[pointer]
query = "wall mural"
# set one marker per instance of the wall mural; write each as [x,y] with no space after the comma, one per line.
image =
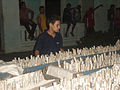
[34,5]
[74,3]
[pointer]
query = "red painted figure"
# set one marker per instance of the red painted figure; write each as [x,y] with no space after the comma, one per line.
[117,23]
[89,20]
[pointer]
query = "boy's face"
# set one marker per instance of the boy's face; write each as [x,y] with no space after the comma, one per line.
[56,26]
[42,10]
[23,6]
[68,6]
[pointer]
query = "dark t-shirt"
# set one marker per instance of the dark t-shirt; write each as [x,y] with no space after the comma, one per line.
[46,43]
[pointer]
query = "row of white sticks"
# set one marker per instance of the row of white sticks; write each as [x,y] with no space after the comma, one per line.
[22,81]
[109,77]
[104,79]
[90,63]
[43,59]
[97,61]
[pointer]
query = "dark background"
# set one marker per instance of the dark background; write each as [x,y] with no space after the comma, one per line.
[52,7]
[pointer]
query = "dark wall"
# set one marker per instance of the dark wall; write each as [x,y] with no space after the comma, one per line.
[1,27]
[52,7]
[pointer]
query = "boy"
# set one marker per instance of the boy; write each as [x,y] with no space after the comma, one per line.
[50,40]
[26,21]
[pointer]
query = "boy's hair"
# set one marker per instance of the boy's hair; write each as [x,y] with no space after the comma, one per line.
[52,19]
[68,4]
[112,5]
[21,4]
[41,7]
[78,6]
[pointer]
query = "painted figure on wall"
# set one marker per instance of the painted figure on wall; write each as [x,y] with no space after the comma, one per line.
[67,17]
[41,20]
[71,16]
[89,20]
[26,21]
[76,17]
[110,17]
[117,23]
[77,13]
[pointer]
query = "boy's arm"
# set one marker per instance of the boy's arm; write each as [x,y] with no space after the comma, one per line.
[39,23]
[98,7]
[61,49]
[37,52]
[32,13]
